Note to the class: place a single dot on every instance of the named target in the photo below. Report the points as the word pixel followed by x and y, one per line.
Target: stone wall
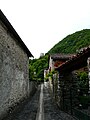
pixel 88 64
pixel 14 77
pixel 63 84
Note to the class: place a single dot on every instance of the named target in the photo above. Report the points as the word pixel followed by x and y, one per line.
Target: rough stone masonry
pixel 14 73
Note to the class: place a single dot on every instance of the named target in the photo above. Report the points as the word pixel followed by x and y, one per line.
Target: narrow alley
pixel 40 107
pixel 51 85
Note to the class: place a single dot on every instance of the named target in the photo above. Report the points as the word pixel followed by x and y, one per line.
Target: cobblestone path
pixel 34 108
pixel 51 111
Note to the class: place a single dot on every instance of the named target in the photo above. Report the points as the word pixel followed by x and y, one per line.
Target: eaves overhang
pixel 12 31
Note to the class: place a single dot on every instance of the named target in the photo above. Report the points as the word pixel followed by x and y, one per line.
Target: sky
pixel 43 23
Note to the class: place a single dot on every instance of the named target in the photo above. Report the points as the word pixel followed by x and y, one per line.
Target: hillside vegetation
pixel 69 44
pixel 72 42
pixel 36 68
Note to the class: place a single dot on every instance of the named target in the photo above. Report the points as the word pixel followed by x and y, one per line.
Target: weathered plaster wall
pixel 14 79
pixel 51 64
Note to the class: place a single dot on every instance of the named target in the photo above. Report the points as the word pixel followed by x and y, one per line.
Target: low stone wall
pixel 33 87
pixel 61 87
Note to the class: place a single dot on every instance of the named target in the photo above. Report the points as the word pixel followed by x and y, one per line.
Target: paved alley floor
pixel 40 107
pixel 51 111
pixel 28 110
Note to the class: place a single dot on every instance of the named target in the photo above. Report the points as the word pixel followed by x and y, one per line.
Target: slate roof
pixel 77 61
pixel 12 30
pixel 61 56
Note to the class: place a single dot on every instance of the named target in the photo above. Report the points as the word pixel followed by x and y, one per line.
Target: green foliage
pixel 37 66
pixel 32 75
pixel 72 42
pixel 46 78
pixel 69 44
pixel 82 79
pixel 84 100
pixel 51 74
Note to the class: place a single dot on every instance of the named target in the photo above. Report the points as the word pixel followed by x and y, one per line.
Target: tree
pixel 38 66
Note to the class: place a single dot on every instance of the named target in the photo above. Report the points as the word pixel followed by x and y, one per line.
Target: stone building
pixel 68 91
pixel 14 71
pixel 56 60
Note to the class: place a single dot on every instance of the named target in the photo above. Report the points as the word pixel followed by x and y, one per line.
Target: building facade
pixel 14 71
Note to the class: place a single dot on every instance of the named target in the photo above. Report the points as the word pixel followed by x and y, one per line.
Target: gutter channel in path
pixel 40 112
